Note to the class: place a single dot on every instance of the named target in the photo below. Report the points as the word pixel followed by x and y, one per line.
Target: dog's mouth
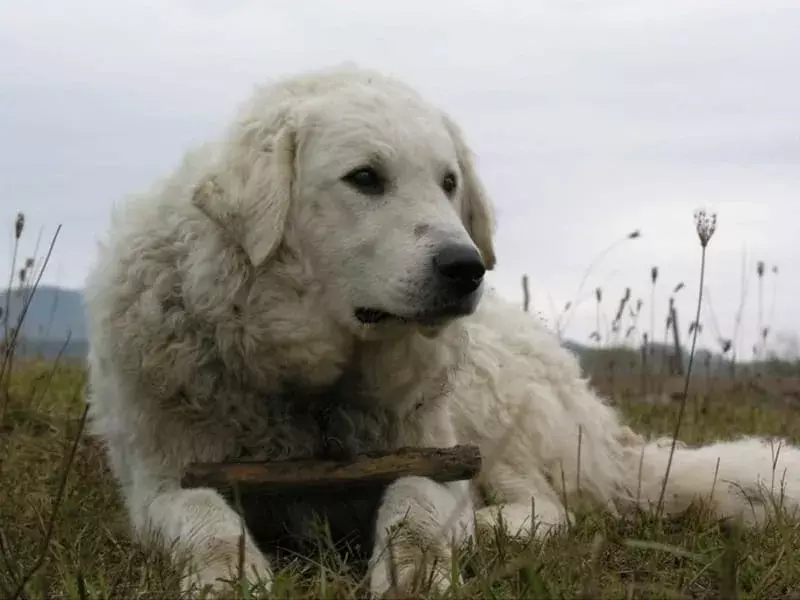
pixel 374 316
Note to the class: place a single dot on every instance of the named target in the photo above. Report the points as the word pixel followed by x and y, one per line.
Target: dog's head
pixel 375 189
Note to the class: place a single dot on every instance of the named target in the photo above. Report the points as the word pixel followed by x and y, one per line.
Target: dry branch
pixel 309 475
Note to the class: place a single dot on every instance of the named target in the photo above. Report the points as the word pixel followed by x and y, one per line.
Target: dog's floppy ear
pixel 249 195
pixel 476 208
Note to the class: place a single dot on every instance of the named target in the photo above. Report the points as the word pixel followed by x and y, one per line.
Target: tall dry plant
pixel 634 311
pixel 771 317
pixel 19 227
pixel 670 326
pixel 759 350
pixel 695 327
pixel 744 281
pixel 706 225
pixel 653 281
pixel 767 326
pixel 677 363
pixel 616 324
pixel 633 235
pixel 558 319
pixel 598 295
pixel 725 344
pixel 526 293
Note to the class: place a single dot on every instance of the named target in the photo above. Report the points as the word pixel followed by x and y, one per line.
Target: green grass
pixel 89 553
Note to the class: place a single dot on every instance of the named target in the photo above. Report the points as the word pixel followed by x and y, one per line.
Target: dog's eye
pixel 449 183
pixel 366 180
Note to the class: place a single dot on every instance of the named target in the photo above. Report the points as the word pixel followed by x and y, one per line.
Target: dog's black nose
pixel 461 267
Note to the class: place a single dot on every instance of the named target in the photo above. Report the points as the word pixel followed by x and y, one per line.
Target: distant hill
pixel 54 315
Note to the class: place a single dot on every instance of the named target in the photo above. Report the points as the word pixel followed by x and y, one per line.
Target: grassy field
pixel 64 532
pixel 83 549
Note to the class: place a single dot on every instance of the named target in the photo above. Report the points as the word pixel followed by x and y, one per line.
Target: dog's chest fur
pixel 373 405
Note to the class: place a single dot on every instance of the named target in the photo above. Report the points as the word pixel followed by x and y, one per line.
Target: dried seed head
pixel 706 225
pixel 598 293
pixel 760 269
pixel 634 234
pixel 19 225
pixel 622 302
pixel 654 275
pixel 725 344
pixel 775 269
pixel 28 263
pixel 678 288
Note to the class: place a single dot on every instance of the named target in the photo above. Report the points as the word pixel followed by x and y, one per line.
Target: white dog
pixel 316 274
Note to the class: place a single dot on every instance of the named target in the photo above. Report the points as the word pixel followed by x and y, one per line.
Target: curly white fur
pixel 222 322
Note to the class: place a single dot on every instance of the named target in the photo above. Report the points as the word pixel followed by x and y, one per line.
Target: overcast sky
pixel 589 119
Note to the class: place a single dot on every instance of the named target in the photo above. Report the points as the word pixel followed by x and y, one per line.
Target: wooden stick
pixel 375 468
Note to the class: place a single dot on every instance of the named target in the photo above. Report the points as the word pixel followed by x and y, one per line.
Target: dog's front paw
pixel 220 575
pixel 411 570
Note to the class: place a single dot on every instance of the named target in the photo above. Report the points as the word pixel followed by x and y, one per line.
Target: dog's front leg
pixel 205 534
pixel 420 522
